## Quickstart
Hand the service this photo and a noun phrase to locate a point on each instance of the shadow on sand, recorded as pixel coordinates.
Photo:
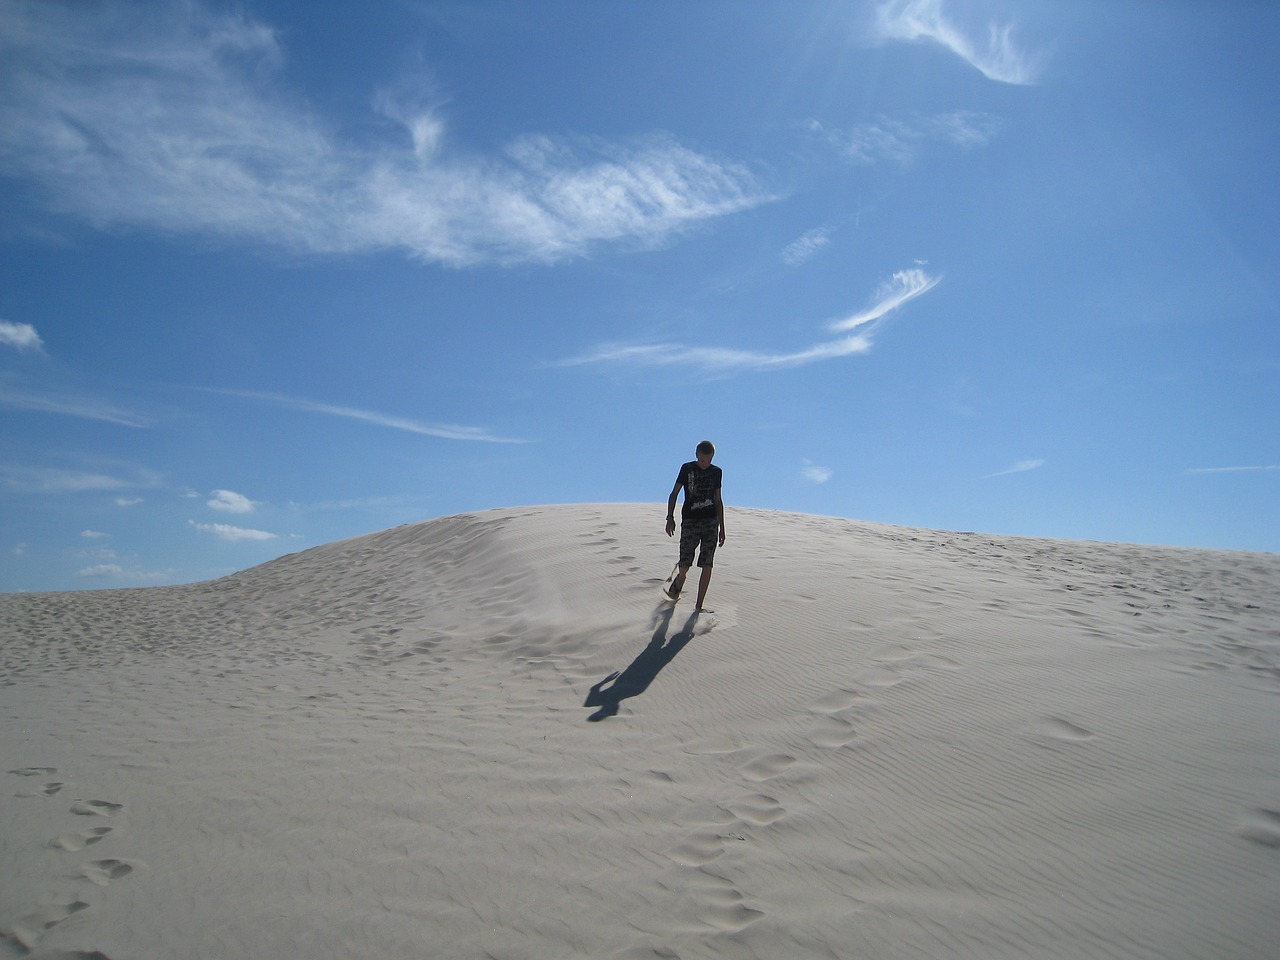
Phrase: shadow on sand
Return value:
(633, 681)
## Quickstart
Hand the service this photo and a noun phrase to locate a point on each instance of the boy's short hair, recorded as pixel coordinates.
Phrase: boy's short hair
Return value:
(706, 446)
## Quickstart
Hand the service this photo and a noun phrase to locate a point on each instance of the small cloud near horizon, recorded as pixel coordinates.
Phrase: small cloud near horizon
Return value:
(230, 502)
(999, 58)
(1022, 466)
(815, 473)
(113, 571)
(232, 534)
(102, 571)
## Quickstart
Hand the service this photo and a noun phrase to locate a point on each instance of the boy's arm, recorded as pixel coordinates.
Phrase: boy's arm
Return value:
(671, 508)
(720, 514)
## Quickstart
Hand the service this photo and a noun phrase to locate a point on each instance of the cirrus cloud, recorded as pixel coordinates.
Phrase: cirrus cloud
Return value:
(999, 58)
(172, 117)
(1022, 466)
(903, 286)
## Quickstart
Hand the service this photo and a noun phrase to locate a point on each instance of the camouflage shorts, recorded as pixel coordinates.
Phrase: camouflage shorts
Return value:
(704, 532)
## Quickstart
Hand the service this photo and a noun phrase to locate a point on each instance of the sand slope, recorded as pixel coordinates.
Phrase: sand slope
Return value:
(484, 736)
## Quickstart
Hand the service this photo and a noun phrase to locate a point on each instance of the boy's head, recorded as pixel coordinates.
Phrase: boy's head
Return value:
(706, 449)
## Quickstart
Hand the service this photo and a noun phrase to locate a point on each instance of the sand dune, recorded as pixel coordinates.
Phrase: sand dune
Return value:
(486, 736)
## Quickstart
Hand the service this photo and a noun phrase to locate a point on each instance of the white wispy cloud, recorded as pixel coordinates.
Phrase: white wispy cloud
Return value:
(886, 139)
(93, 534)
(815, 473)
(443, 431)
(230, 501)
(999, 57)
(358, 503)
(23, 336)
(225, 531)
(19, 394)
(903, 286)
(102, 571)
(115, 572)
(27, 479)
(172, 116)
(1265, 468)
(804, 247)
(1022, 466)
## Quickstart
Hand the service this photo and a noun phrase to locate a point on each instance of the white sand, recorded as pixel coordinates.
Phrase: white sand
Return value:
(884, 743)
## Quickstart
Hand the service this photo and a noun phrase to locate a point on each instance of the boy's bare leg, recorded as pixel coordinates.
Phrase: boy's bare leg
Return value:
(678, 584)
(704, 581)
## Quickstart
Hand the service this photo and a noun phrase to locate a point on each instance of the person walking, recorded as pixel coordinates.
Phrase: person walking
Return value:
(701, 520)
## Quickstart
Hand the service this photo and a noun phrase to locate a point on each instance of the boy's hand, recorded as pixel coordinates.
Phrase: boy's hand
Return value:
(671, 526)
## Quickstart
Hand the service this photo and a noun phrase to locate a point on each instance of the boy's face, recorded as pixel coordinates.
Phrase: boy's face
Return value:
(704, 460)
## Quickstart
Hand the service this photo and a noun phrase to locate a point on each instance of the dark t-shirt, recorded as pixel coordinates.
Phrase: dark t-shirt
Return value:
(699, 490)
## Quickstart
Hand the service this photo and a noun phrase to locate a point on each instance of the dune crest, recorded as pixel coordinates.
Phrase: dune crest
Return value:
(488, 736)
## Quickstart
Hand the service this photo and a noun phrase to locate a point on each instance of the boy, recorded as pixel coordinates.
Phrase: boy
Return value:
(701, 519)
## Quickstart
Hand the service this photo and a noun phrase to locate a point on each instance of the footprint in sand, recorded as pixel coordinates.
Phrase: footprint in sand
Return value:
(711, 746)
(699, 850)
(836, 701)
(44, 790)
(1053, 731)
(71, 842)
(835, 729)
(95, 808)
(757, 810)
(34, 925)
(35, 771)
(721, 903)
(767, 767)
(102, 872)
(1263, 827)
(832, 733)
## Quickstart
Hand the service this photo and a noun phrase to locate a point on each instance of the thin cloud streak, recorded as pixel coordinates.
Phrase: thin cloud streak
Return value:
(1022, 466)
(442, 431)
(999, 59)
(22, 479)
(901, 141)
(905, 285)
(802, 248)
(171, 122)
(19, 397)
(1268, 468)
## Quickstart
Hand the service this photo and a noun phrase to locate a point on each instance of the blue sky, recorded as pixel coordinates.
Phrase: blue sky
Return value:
(279, 273)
